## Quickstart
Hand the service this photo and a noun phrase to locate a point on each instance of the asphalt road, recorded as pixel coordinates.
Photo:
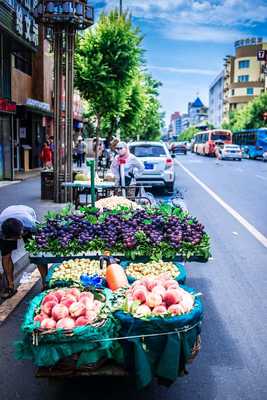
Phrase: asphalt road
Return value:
(232, 363)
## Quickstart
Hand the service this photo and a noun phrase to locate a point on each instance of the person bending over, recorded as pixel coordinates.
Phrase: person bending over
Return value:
(16, 222)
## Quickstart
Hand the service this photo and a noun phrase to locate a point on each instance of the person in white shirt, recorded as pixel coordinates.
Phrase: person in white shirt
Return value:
(16, 222)
(129, 162)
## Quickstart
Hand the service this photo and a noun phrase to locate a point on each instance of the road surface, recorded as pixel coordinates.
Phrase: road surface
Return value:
(232, 363)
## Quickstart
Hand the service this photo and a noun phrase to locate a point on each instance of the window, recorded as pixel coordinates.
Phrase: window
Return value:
(148, 151)
(244, 64)
(243, 78)
(250, 91)
(23, 61)
(233, 92)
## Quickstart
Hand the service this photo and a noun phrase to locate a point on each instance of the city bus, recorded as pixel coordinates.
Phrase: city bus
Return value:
(205, 142)
(253, 142)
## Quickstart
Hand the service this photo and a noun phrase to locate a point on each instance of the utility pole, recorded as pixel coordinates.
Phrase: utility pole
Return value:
(120, 7)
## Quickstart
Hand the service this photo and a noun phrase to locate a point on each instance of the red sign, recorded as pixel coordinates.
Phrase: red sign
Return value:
(7, 105)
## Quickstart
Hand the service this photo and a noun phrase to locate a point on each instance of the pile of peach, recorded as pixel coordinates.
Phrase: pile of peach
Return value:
(158, 296)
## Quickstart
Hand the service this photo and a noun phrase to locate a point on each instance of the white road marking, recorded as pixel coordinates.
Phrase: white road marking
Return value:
(3, 184)
(247, 225)
(261, 177)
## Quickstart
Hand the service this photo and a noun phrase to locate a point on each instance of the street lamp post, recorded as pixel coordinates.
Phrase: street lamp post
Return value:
(64, 18)
(120, 7)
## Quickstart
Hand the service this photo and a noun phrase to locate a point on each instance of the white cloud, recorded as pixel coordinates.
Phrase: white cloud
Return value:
(221, 12)
(198, 20)
(198, 33)
(193, 71)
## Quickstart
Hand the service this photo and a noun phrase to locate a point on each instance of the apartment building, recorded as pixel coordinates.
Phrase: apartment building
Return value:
(244, 77)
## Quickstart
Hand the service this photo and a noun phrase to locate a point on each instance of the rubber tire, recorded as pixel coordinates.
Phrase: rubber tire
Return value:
(169, 187)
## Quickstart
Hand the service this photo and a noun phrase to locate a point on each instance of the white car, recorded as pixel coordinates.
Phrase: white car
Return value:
(158, 164)
(265, 156)
(229, 151)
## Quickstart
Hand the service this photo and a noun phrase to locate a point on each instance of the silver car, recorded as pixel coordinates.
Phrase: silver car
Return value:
(264, 156)
(158, 164)
(229, 151)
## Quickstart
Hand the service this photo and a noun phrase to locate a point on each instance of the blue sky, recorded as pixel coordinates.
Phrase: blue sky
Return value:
(186, 41)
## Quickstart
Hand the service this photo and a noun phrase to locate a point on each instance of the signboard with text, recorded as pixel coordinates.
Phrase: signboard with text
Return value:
(24, 24)
(262, 55)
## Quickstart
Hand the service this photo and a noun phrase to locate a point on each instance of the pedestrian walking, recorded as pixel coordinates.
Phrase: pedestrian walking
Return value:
(16, 222)
(52, 148)
(79, 153)
(46, 155)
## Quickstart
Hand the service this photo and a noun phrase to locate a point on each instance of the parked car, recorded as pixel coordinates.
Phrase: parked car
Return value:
(228, 151)
(158, 163)
(179, 148)
(265, 156)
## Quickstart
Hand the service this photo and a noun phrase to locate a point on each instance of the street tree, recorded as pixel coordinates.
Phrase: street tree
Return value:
(187, 134)
(251, 116)
(107, 59)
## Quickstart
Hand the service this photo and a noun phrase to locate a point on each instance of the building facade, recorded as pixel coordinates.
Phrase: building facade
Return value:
(197, 112)
(216, 101)
(244, 75)
(26, 82)
(185, 122)
(176, 124)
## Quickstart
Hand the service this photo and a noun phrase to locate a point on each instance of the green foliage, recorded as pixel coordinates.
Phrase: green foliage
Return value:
(188, 134)
(250, 116)
(109, 73)
(106, 59)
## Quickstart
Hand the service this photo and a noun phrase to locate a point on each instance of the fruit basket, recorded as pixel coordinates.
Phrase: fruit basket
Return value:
(47, 346)
(159, 346)
(137, 270)
(69, 272)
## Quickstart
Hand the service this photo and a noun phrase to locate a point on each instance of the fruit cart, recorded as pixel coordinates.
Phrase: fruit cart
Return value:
(134, 235)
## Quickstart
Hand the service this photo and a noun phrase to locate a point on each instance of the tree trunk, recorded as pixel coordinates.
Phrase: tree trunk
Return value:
(98, 118)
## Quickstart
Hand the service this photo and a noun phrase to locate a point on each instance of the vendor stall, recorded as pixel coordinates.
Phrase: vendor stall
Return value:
(132, 315)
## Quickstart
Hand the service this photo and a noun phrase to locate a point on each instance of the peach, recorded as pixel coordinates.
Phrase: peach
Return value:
(90, 315)
(171, 284)
(153, 283)
(159, 289)
(172, 296)
(77, 309)
(153, 300)
(68, 296)
(48, 306)
(67, 302)
(82, 321)
(40, 317)
(88, 303)
(48, 323)
(75, 292)
(165, 276)
(159, 310)
(49, 297)
(59, 312)
(175, 309)
(59, 294)
(143, 310)
(139, 294)
(87, 295)
(65, 323)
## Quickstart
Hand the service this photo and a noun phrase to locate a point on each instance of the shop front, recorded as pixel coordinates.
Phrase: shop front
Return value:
(32, 130)
(7, 111)
(18, 42)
